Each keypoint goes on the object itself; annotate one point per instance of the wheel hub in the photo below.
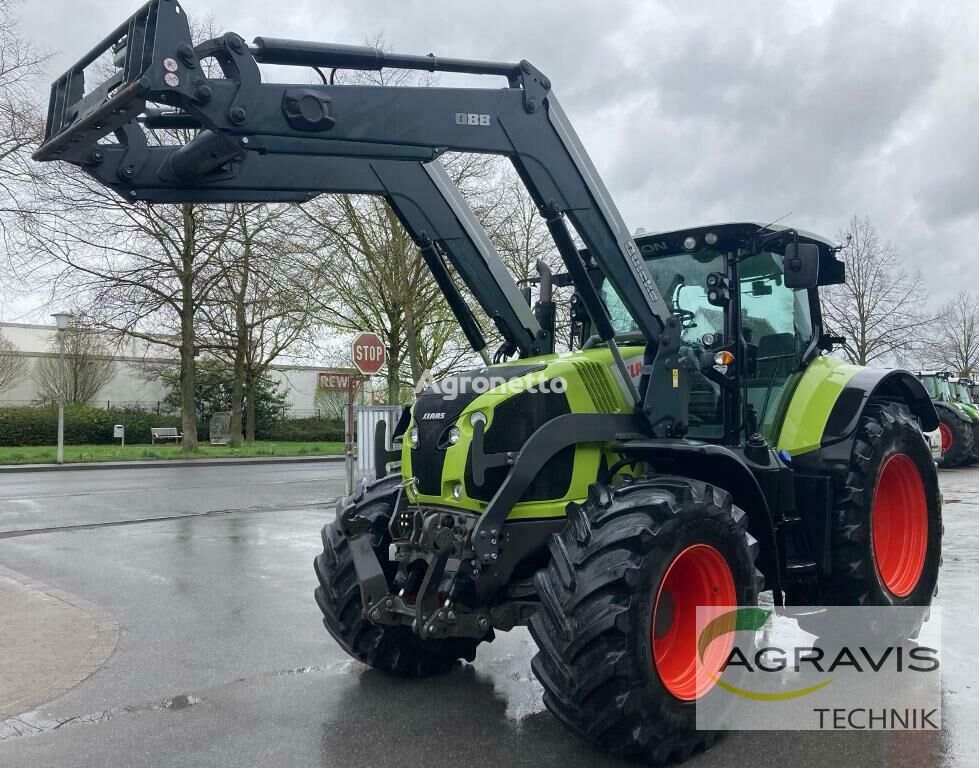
(899, 525)
(698, 576)
(946, 434)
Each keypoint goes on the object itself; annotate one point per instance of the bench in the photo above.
(164, 433)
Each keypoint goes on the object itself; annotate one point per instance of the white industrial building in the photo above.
(130, 384)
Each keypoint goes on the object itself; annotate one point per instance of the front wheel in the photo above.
(617, 623)
(394, 649)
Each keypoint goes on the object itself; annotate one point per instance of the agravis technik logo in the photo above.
(765, 673)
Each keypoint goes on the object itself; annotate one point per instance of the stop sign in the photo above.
(368, 353)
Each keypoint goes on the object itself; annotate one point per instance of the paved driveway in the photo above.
(222, 660)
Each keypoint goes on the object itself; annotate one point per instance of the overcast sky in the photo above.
(696, 112)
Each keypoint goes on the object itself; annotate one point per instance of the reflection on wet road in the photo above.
(222, 659)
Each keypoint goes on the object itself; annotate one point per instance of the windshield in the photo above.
(776, 323)
(931, 385)
(681, 278)
(945, 390)
(963, 392)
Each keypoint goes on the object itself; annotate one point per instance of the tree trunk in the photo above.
(411, 333)
(237, 388)
(250, 405)
(394, 385)
(188, 377)
(187, 373)
(242, 343)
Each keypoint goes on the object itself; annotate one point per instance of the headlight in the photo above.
(477, 418)
(454, 435)
(413, 436)
(457, 491)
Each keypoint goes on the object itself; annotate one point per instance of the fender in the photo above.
(894, 384)
(830, 398)
(729, 470)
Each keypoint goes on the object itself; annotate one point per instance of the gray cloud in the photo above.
(702, 111)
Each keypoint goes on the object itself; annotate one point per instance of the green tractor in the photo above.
(958, 418)
(961, 390)
(695, 447)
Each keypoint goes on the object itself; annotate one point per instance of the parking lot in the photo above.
(169, 616)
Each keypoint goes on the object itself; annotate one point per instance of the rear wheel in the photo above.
(887, 521)
(393, 649)
(958, 437)
(616, 629)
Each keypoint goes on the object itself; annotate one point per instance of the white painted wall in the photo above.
(128, 384)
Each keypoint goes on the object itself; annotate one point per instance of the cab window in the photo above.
(777, 326)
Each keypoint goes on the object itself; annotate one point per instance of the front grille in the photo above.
(449, 398)
(514, 421)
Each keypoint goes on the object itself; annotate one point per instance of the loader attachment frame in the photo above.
(259, 141)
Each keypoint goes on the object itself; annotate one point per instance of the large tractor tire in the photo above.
(616, 626)
(958, 437)
(394, 649)
(887, 523)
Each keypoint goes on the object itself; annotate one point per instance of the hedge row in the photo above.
(310, 429)
(84, 425)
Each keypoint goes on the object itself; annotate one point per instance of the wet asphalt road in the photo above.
(222, 659)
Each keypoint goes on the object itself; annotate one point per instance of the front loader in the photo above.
(695, 446)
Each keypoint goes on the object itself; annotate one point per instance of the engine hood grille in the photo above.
(438, 407)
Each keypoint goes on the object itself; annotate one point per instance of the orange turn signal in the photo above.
(723, 358)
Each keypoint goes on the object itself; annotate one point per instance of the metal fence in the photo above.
(367, 417)
(144, 406)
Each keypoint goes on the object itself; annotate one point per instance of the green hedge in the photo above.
(84, 425)
(310, 429)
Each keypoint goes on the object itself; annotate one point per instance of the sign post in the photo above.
(368, 354)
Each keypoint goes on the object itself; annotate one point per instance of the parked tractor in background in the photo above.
(694, 447)
(962, 392)
(958, 421)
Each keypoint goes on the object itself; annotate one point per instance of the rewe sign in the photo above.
(368, 353)
(335, 379)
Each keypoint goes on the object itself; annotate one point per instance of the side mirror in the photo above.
(801, 265)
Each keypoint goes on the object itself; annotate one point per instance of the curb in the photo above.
(157, 463)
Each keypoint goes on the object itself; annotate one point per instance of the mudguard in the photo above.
(731, 471)
(831, 396)
(821, 425)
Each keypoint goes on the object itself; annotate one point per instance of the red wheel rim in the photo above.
(946, 437)
(698, 576)
(899, 525)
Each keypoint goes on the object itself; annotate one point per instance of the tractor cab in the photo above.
(754, 327)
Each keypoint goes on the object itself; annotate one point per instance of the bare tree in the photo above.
(139, 270)
(880, 308)
(13, 365)
(269, 298)
(88, 367)
(953, 343)
(20, 123)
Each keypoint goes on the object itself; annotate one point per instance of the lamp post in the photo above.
(63, 320)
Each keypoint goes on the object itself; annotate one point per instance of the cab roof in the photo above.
(735, 235)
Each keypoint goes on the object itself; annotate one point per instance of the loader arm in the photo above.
(283, 142)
